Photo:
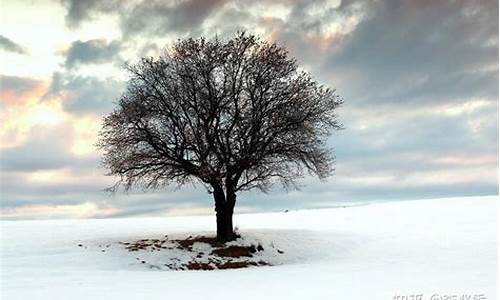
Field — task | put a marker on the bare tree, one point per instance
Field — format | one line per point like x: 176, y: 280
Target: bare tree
x: 230, y: 114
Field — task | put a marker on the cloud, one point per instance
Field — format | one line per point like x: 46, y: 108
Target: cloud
x: 47, y: 190
x: 85, y: 94
x: 20, y: 109
x: 46, y: 148
x: 46, y: 171
x: 15, y: 90
x: 9, y: 45
x: 139, y: 17
x: 409, y: 54
x: 96, y: 51
x: 160, y: 17
x: 79, y: 11
x: 83, y: 210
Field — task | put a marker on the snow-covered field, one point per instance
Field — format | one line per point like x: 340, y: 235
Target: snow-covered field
x: 443, y: 247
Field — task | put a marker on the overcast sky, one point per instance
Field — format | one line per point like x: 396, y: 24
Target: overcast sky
x: 419, y: 80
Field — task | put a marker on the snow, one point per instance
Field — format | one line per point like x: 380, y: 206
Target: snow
x: 379, y: 251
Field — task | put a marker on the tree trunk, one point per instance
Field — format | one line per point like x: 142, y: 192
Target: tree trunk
x: 224, y: 207
x: 225, y: 231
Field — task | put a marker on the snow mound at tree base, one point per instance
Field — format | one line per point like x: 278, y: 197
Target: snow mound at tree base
x: 199, y: 253
x: 186, y: 252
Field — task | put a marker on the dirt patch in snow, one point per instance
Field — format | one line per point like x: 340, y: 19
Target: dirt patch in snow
x: 146, y: 244
x: 241, y: 264
x: 235, y: 251
x: 199, y: 253
x: 187, y: 243
x: 193, y: 265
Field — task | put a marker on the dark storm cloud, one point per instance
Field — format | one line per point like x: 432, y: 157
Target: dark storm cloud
x: 96, y: 51
x: 85, y: 94
x: 9, y: 45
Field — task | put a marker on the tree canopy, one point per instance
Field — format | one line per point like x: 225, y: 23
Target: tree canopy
x: 232, y: 114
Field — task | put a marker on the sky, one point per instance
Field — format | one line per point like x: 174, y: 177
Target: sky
x: 419, y: 80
